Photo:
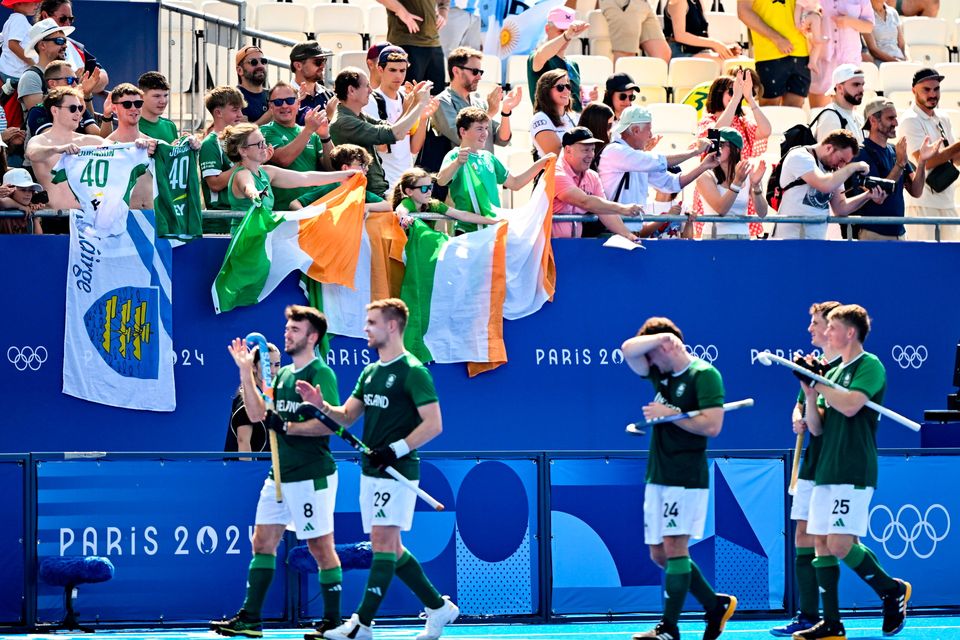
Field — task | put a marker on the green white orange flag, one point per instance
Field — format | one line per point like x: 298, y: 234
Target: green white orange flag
x: 322, y: 241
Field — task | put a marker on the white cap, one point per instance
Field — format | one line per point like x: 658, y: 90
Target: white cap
x: 20, y: 178
x: 843, y: 73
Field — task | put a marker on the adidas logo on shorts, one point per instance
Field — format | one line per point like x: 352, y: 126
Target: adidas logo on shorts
x: 672, y: 524
x: 380, y: 514
x: 375, y: 591
x: 309, y: 527
x: 839, y: 523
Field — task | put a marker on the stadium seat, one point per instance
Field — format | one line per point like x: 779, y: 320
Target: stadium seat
x: 376, y: 23
x: 598, y: 35
x: 897, y: 76
x: 340, y: 42
x: 674, y: 143
x: 928, y: 54
x: 686, y: 73
x: 726, y: 28
x: 925, y: 31
x: 517, y: 72
x: 782, y: 118
x: 950, y: 100
x: 285, y: 20
x: 518, y: 161
x: 673, y: 118
x: 594, y: 70
x: 901, y: 99
x: 345, y: 59
x: 650, y: 74
x: 740, y: 61
x: 584, y: 7
x: 492, y: 69
x: 871, y: 77
x: 522, y: 116
x: 339, y: 18
x: 951, y: 75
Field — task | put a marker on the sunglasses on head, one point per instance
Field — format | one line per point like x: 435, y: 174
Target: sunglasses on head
x: 473, y: 70
x: 279, y: 102
x: 627, y: 96
x: 59, y: 40
x: 425, y: 188
x: 561, y: 87
x: 72, y: 108
x: 131, y: 104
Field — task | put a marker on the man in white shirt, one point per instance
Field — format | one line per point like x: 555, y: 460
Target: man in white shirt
x: 923, y: 119
x: 812, y: 179
x: 627, y: 171
x: 848, y: 84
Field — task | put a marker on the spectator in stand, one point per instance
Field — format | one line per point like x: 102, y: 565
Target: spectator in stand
x: 373, y: 57
x: 59, y: 73
x: 414, y: 25
x: 252, y: 74
x: 891, y: 163
x: 46, y: 41
x: 345, y: 157
x: 578, y: 190
x: 928, y: 8
x: 848, y: 84
x: 243, y: 435
x: 667, y: 204
x: 885, y: 43
x: 297, y: 148
x: 413, y: 193
x: 308, y: 62
x: 633, y: 25
x: 727, y: 189
x: 619, y: 93
x: 352, y: 126
x: 724, y: 108
x: 685, y: 26
x: 17, y: 192
x: 465, y: 74
x: 598, y: 118
x: 14, y: 59
x: 462, y: 28
x: 780, y: 50
x: 925, y: 120
x: 387, y: 104
x: 156, y: 96
x: 553, y: 112
x: 80, y: 58
x: 471, y: 164
x: 225, y: 105
x: 843, y: 23
x: 561, y: 29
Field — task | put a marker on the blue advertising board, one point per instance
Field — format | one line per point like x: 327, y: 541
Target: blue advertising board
x: 13, y: 536
x: 565, y: 386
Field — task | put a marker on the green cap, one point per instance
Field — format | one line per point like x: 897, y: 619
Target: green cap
x: 731, y: 135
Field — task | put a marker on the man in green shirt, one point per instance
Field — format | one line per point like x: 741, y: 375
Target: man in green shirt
x: 296, y: 148
x: 225, y: 106
x: 156, y: 95
x: 401, y: 413
x: 308, y: 472
x: 678, y: 481
x: 846, y: 474
x: 352, y: 126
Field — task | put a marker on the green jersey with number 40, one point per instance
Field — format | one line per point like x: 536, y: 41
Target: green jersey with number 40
x: 678, y: 458
x: 176, y: 188
x: 303, y: 457
x: 391, y: 393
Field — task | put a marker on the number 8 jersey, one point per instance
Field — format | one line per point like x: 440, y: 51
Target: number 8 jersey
x: 101, y: 178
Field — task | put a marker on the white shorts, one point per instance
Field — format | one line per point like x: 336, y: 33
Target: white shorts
x: 800, y: 507
x: 673, y: 511
x: 309, y: 509
x: 839, y: 508
x: 384, y: 502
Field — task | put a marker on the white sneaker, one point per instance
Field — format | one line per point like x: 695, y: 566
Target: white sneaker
x: 437, y: 619
x: 352, y: 629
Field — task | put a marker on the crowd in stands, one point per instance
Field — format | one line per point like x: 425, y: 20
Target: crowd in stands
x: 431, y: 137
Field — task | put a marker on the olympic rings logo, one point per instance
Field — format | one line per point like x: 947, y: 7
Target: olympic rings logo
x: 708, y: 353
x: 909, y: 530
x: 23, y: 358
x: 908, y: 356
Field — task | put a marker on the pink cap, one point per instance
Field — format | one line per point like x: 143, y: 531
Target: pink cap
x: 561, y: 17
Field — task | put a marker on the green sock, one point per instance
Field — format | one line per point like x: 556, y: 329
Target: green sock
x: 331, y: 587
x: 410, y: 571
x: 701, y: 589
x: 381, y: 573
x: 865, y: 564
x: 259, y: 577
x: 807, y: 583
x: 678, y: 584
x: 828, y: 580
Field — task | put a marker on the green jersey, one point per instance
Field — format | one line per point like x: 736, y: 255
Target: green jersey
x: 213, y: 162
x: 176, y: 186
x: 309, y: 159
x: 163, y: 129
x: 849, y: 453
x: 303, y: 457
x: 808, y: 467
x: 407, y: 205
x: 678, y: 458
x: 391, y: 393
x: 262, y: 182
x: 476, y: 185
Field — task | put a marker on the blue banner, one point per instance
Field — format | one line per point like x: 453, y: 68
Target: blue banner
x: 12, y: 540
x: 177, y: 531
x: 601, y: 564
x: 482, y: 550
x: 565, y: 386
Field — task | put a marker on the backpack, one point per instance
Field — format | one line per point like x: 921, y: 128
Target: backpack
x: 382, y: 110
x: 12, y: 107
x: 799, y: 135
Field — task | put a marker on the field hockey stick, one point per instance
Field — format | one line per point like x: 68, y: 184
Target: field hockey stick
x: 357, y: 444
x: 634, y: 428
x: 258, y: 341
x: 766, y: 358
x: 795, y: 470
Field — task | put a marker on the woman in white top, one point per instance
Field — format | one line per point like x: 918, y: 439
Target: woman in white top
x: 885, y: 44
x: 725, y: 190
x: 553, y: 115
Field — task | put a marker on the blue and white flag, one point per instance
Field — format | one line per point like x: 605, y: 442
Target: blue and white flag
x: 517, y: 27
x: 118, y: 340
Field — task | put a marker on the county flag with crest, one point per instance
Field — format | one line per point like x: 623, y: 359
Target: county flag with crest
x: 322, y: 240
x: 517, y: 27
x: 118, y: 340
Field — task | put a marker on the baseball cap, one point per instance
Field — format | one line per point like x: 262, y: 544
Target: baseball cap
x: 926, y: 74
x: 845, y: 72
x: 307, y: 50
x: 20, y: 178
x: 561, y: 17
x: 874, y: 107
x: 630, y: 117
x: 373, y: 53
x: 388, y: 51
x: 245, y: 51
x: 731, y: 135
x: 621, y: 82
x: 578, y: 135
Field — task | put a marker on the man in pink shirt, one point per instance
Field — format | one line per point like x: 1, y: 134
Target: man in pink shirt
x: 843, y: 23
x: 578, y: 189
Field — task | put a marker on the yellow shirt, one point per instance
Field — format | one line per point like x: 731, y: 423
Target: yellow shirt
x: 780, y: 17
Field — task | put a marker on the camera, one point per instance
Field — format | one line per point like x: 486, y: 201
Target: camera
x: 714, y: 137
x: 40, y: 197
x: 869, y: 182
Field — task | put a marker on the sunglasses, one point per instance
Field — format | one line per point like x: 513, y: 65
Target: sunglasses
x: 425, y: 188
x: 561, y: 87
x: 627, y: 96
x: 260, y: 145
x: 257, y: 62
x: 473, y: 70
x: 59, y: 40
x: 279, y: 102
x: 65, y: 20
x: 70, y: 80
x: 72, y: 108
x: 131, y: 104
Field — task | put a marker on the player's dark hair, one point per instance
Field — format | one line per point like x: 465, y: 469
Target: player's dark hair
x: 220, y: 97
x: 459, y: 57
x: 657, y: 325
x: 281, y: 85
x: 234, y: 137
x: 55, y: 96
x: 318, y: 321
x: 349, y: 77
x: 842, y: 139
x: 153, y: 80
x: 469, y: 115
x: 124, y: 89
x: 346, y: 154
x: 853, y: 315
x: 823, y: 308
x: 57, y: 67
x: 392, y: 309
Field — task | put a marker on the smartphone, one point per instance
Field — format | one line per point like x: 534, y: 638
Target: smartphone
x: 89, y: 65
x: 40, y: 197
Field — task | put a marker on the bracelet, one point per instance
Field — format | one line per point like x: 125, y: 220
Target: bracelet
x: 505, y: 114
x: 87, y: 98
x: 325, y: 140
x: 735, y: 188
x: 756, y: 190
x: 565, y: 37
